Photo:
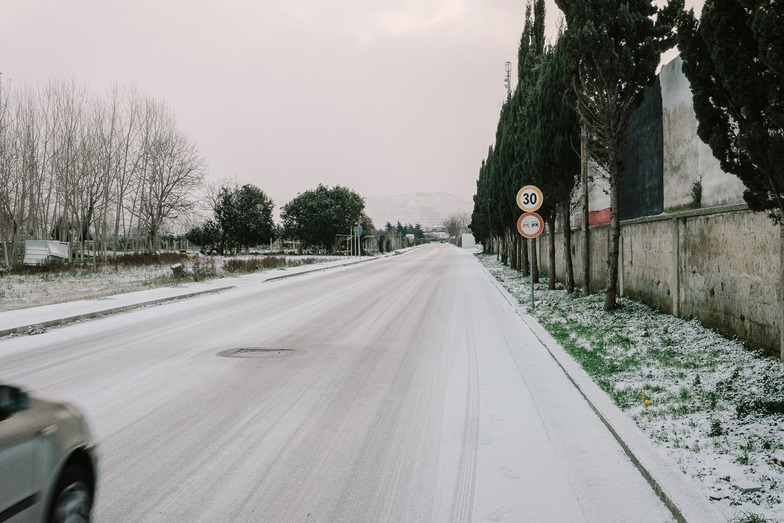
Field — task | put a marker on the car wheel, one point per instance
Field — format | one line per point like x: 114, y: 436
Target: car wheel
x: 73, y: 497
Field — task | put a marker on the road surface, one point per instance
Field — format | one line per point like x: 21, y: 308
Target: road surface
x: 404, y: 389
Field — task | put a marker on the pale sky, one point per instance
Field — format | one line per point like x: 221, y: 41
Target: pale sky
x: 386, y: 98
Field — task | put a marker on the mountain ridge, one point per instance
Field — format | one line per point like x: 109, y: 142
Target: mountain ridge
x: 428, y: 209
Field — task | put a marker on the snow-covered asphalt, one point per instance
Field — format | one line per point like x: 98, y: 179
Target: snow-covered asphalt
x: 405, y: 389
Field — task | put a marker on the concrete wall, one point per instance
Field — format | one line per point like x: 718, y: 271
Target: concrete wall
x: 720, y: 266
x: 668, y: 167
x: 688, y: 159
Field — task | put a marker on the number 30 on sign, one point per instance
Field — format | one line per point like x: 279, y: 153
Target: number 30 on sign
x: 530, y: 225
x: 529, y: 198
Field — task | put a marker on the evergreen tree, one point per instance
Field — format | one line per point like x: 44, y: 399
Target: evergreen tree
x: 530, y: 169
x: 206, y: 236
x: 554, y: 145
x: 480, y: 216
x: 615, y: 49
x: 316, y: 218
x: 734, y: 60
x: 244, y: 216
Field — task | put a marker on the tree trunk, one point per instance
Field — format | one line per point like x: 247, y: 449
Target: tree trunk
x: 534, y: 261
x: 551, y: 238
x: 781, y: 285
x: 613, y: 251
x: 526, y: 260
x: 568, y: 248
x: 521, y: 246
x: 586, y: 234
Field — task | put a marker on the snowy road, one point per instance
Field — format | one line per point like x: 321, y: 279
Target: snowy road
x: 406, y: 389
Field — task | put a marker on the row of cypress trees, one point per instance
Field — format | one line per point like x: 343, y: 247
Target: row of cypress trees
x: 576, y: 94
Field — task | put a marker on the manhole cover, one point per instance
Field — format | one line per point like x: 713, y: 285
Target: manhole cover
x: 255, y: 352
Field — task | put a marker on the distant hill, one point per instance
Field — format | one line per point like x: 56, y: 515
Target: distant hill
x: 426, y: 209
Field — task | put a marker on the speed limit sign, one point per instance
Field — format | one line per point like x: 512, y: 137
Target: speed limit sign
x: 529, y: 198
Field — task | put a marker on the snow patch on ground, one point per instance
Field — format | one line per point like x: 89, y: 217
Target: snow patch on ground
x: 21, y: 291
x: 714, y: 407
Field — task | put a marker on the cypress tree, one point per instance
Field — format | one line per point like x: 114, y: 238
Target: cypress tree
x: 554, y: 147
x: 734, y: 60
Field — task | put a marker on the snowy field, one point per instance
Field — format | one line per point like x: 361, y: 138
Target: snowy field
x: 715, y: 408
x: 79, y: 283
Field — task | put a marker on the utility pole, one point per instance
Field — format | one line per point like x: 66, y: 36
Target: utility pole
x: 508, y: 78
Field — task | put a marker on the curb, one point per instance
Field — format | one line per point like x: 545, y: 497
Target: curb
x: 683, y: 499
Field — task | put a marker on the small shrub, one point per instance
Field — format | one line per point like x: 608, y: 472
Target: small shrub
x: 235, y: 265
x: 203, y: 269
x: 749, y: 517
x: 696, y: 194
x: 716, y: 428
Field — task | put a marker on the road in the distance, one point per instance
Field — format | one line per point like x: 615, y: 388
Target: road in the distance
x: 406, y: 389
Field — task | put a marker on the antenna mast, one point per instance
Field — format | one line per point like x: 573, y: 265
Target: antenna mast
x: 508, y: 78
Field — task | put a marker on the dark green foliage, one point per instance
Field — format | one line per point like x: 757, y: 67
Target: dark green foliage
x: 734, y: 60
x: 615, y: 49
x: 481, y: 215
x: 696, y: 194
x: 206, y: 236
x: 239, y: 265
x: 507, y: 166
x: 401, y: 230
x: 244, y: 216
x: 316, y: 218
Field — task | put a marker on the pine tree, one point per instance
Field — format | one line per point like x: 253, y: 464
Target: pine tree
x: 615, y: 49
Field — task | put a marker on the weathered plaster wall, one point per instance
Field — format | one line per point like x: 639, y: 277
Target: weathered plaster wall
x: 686, y: 158
x: 729, y: 273
x: 720, y: 266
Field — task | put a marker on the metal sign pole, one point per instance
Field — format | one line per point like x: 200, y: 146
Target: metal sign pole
x: 530, y: 224
x: 531, y: 263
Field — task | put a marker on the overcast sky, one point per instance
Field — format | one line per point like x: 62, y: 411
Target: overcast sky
x: 386, y: 98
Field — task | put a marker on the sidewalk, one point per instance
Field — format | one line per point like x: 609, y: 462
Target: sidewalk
x: 34, y: 319
x: 680, y: 495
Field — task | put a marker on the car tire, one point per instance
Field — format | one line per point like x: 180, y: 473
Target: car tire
x: 73, y: 496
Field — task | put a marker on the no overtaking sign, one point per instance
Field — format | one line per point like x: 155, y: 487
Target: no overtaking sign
x: 530, y: 225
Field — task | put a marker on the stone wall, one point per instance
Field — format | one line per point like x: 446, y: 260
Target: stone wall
x: 718, y: 265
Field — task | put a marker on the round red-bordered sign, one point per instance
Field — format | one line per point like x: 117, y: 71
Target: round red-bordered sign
x: 530, y: 225
x: 529, y: 198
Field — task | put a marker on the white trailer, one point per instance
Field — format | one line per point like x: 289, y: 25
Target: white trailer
x: 40, y: 252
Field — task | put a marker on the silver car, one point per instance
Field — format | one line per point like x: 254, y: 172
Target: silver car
x: 47, y: 459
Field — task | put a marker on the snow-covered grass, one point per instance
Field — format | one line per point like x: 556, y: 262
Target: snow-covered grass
x: 714, y: 407
x: 80, y: 282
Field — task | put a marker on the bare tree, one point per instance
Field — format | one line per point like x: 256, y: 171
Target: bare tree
x: 77, y: 167
x: 172, y: 170
x: 8, y: 184
x: 456, y: 224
